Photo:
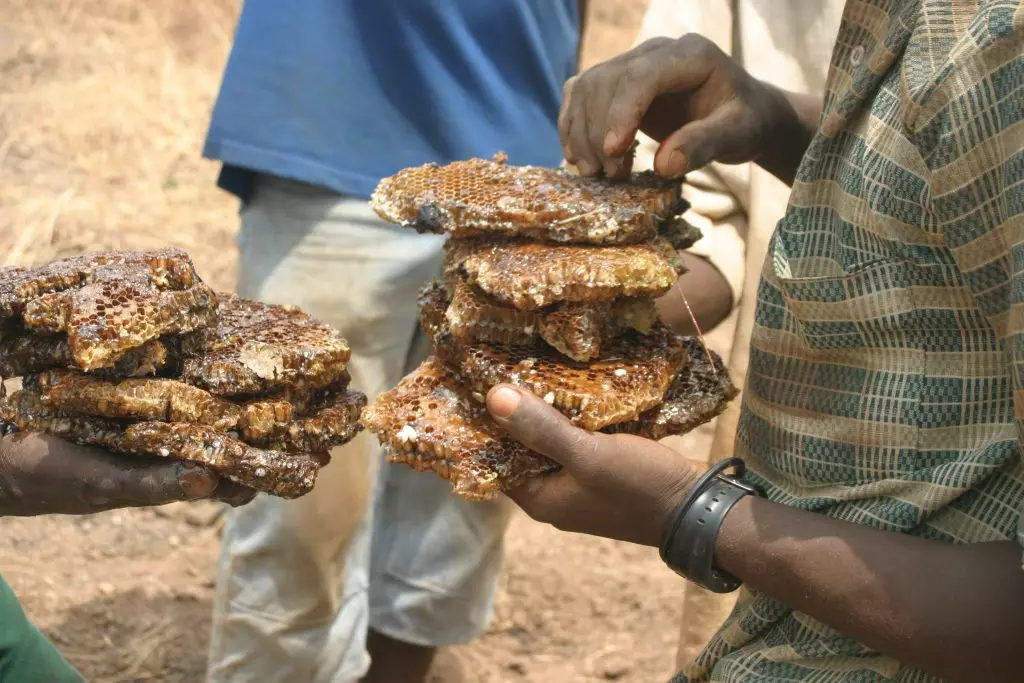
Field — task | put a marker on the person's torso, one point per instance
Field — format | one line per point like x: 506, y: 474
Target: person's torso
x: 340, y: 93
x: 877, y: 391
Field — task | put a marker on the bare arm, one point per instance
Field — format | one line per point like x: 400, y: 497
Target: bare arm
x: 707, y: 296
x: 952, y: 610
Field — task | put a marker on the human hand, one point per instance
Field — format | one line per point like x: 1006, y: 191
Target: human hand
x: 41, y: 474
x: 617, y: 486
x: 686, y: 93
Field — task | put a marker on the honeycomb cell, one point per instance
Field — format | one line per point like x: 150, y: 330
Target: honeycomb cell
x: 22, y: 353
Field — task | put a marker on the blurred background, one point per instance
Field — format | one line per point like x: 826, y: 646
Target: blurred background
x: 103, y: 107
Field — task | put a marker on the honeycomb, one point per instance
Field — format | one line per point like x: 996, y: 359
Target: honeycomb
x: 575, y: 330
x: 166, y: 268
x: 165, y: 400
x: 489, y: 197
x: 298, y: 423
x: 429, y: 423
x: 23, y: 354
x: 330, y: 421
x: 257, y: 348
x: 679, y: 233
x: 280, y: 474
x: 631, y: 376
x: 700, y: 391
x: 130, y: 351
x: 531, y: 276
x: 549, y: 284
x: 109, y: 303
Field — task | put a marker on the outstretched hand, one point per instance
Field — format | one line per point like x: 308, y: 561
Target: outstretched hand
x: 41, y: 474
x: 617, y: 486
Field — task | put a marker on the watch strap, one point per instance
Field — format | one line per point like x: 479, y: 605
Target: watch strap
x: 689, y: 537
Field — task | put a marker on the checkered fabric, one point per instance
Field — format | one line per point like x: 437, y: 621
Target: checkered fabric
x: 885, y: 382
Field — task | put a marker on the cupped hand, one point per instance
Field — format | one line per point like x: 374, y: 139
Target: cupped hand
x: 686, y: 93
x: 617, y: 486
x: 41, y: 474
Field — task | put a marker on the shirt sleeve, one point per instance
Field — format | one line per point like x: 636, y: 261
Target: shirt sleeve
x: 970, y: 132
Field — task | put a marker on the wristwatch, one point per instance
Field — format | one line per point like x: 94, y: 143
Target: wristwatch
x: 688, y: 540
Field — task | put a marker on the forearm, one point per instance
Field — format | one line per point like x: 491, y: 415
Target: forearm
x: 702, y: 294
x: 796, y: 118
x: 951, y: 610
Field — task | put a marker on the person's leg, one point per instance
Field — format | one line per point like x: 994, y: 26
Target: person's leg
x: 435, y: 565
x: 291, y: 601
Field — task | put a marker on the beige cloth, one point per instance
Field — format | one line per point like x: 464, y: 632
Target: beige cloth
x: 787, y: 43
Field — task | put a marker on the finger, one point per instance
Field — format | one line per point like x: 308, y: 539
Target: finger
x: 584, y: 158
x: 541, y: 428
x: 599, y: 96
x: 121, y: 482
x: 721, y: 136
x: 666, y: 66
x: 563, y: 120
x: 677, y: 68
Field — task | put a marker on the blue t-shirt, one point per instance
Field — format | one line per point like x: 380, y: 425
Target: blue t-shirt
x: 340, y: 93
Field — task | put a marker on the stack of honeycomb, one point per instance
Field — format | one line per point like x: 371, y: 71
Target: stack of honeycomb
x: 132, y: 352
x: 549, y: 283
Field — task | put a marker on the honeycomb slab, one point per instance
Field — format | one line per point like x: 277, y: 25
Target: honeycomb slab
x: 429, y: 423
x: 530, y: 276
x: 108, y: 304
x: 489, y: 197
x: 258, y: 348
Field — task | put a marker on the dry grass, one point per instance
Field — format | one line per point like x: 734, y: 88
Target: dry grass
x: 103, y: 104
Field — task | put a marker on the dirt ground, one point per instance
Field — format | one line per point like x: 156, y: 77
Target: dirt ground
x: 103, y: 104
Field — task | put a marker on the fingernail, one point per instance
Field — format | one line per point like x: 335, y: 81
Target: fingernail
x: 676, y: 164
x: 587, y: 168
x: 611, y: 142
x: 503, y: 401
x: 612, y: 167
x: 567, y: 153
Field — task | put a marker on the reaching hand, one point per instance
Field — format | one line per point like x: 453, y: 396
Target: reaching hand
x: 617, y: 486
x: 692, y: 98
x: 44, y: 475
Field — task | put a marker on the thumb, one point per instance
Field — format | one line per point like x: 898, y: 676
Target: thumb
x: 724, y: 135
x: 539, y: 427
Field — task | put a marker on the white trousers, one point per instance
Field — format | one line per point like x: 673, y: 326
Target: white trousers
x: 374, y: 545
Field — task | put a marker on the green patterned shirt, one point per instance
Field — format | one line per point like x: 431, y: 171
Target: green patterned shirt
x: 885, y: 383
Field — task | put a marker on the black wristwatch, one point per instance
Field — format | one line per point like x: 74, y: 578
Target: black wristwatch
x: 688, y: 540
